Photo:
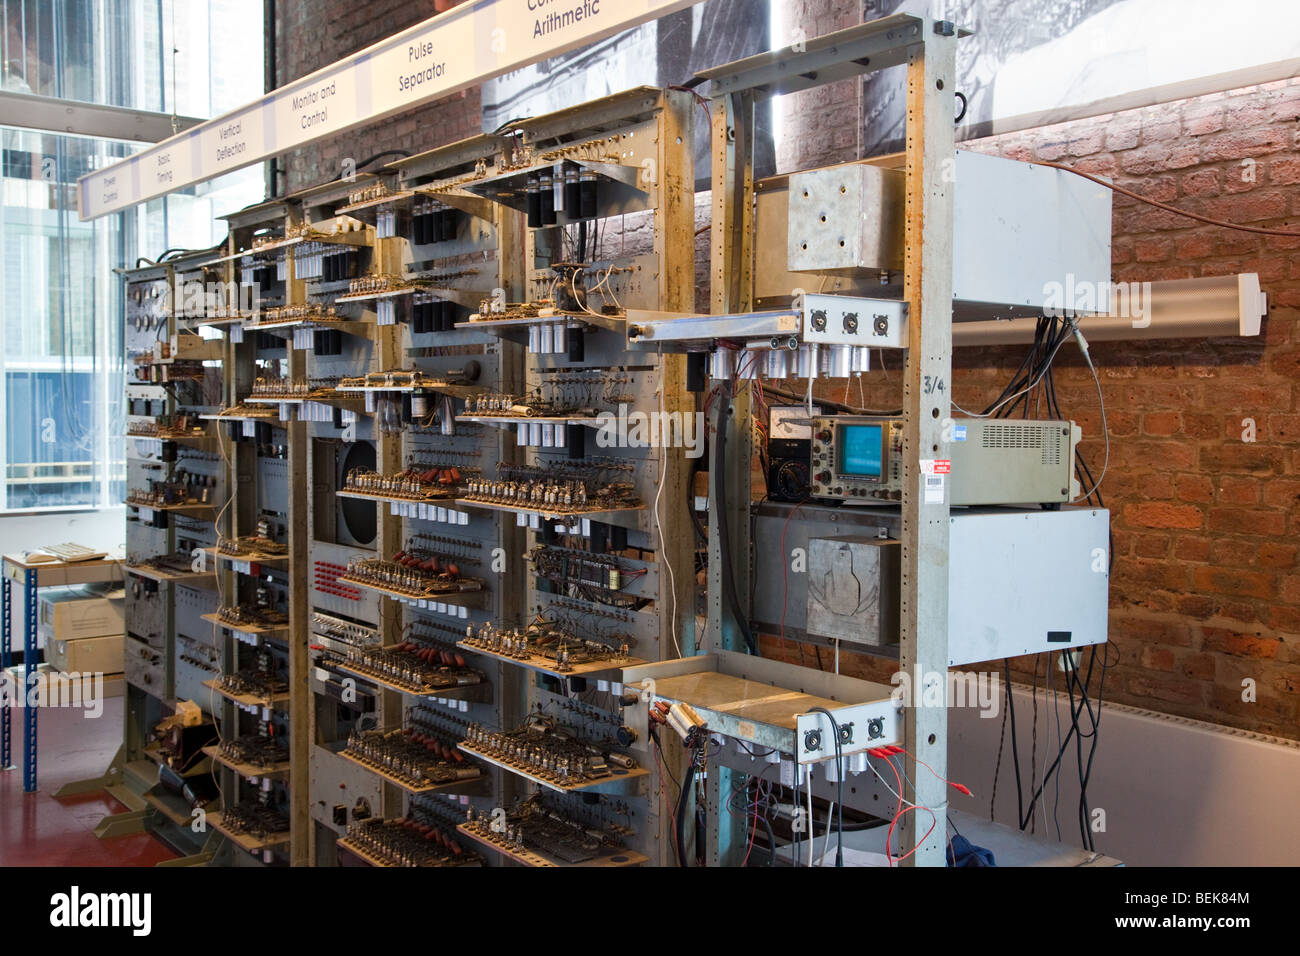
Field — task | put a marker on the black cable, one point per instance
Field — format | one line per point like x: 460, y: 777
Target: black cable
x: 1002, y: 740
x: 683, y: 800
x: 839, y: 784
x: 771, y: 840
x: 679, y: 817
x: 1070, y: 679
x: 724, y: 540
x: 1015, y: 747
x: 1024, y: 821
x: 370, y: 159
x: 1033, y: 746
x: 1096, y: 732
x: 827, y: 402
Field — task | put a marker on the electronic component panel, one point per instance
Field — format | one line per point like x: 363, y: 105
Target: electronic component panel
x: 858, y: 459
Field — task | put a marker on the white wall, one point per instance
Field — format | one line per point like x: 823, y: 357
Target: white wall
x: 103, y: 530
x: 1175, y: 792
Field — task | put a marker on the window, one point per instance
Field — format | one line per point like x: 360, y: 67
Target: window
x: 62, y: 398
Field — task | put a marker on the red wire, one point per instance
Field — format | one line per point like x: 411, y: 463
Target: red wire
x: 890, y: 838
x: 753, y: 830
x: 962, y: 788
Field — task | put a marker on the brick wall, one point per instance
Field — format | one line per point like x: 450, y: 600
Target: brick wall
x: 1206, y: 587
x: 311, y: 34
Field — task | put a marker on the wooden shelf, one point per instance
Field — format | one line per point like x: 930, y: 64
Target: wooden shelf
x: 273, y: 560
x: 469, y: 599
x: 199, y: 578
x: 246, y: 841
x: 248, y: 700
x: 589, y: 421
x: 472, y: 785
x: 347, y: 844
x: 477, y: 693
x: 525, y: 857
x: 547, y: 513
x: 618, y: 780
x: 449, y: 498
x: 544, y: 665
x: 193, y: 508
x: 277, y: 771
x: 270, y: 633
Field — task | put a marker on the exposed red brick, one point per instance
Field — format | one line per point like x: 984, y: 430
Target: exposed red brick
x: 1163, y: 515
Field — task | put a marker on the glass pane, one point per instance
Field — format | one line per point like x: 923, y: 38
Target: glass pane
x: 143, y: 54
x: 61, y: 331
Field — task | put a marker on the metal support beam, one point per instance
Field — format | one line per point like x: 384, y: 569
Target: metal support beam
x: 74, y: 118
x: 6, y: 648
x: 927, y: 282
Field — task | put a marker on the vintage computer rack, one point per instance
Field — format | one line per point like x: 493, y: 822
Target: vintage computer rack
x: 176, y: 487
x: 926, y: 47
x: 633, y: 151
x: 404, y: 391
x: 254, y: 623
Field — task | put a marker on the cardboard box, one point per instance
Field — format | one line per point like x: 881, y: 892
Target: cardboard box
x: 92, y: 655
x: 72, y: 613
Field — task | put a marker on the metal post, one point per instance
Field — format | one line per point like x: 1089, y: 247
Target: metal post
x: 927, y: 283
x: 6, y: 647
x: 731, y: 290
x: 29, y: 655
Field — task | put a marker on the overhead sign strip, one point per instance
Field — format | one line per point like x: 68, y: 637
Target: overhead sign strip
x: 445, y: 54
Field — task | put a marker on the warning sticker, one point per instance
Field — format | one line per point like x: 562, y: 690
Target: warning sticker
x: 936, y: 466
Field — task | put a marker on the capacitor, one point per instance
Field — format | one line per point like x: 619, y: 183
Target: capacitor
x: 534, y: 203
x: 588, y: 194
x: 615, y: 579
x: 777, y: 363
x: 722, y: 364
x: 861, y: 361
x: 839, y: 360
x: 576, y: 344
x: 419, y: 405
x: 572, y: 194
x: 547, y: 187
x: 450, y: 220
x: 806, y: 362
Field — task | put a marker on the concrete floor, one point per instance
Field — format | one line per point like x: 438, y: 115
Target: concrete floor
x: 38, y: 830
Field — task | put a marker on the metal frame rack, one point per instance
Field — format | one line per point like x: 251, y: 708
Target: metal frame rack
x: 927, y: 48
x: 177, y: 485
x: 428, y: 413
x: 420, y: 281
x: 632, y: 154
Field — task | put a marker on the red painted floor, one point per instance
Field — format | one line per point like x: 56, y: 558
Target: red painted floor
x: 38, y: 830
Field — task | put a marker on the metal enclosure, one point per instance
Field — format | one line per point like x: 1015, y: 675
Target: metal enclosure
x: 1025, y: 237
x: 845, y: 219
x: 1027, y: 582
x: 853, y: 590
